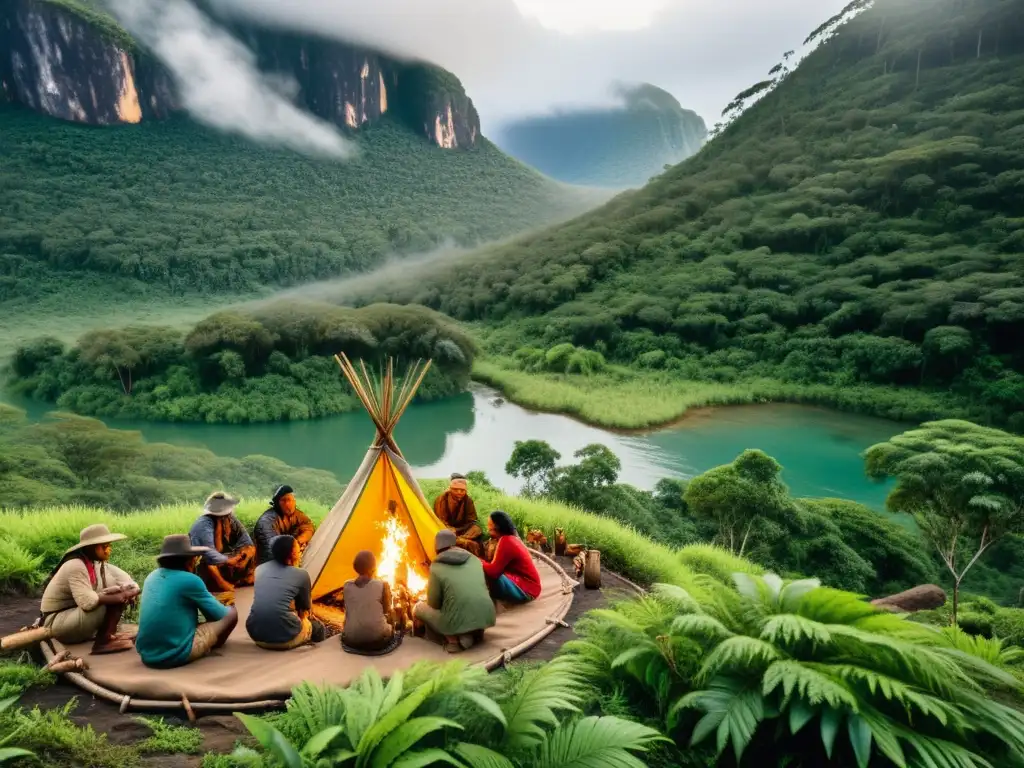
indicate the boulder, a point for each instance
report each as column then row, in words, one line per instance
column 923, row 598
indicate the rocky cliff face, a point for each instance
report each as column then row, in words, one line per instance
column 56, row 61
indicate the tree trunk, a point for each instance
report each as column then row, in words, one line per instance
column 878, row 40
column 980, row 33
column 917, row 77
column 956, row 598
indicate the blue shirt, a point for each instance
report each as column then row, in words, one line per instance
column 168, row 616
column 202, row 535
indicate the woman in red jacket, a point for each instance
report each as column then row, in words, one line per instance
column 511, row 575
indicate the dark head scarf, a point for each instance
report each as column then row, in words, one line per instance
column 281, row 548
column 280, row 493
column 365, row 563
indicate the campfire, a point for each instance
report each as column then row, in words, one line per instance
column 394, row 566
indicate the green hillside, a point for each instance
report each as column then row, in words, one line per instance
column 181, row 209
column 861, row 224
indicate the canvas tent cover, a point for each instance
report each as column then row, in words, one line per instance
column 356, row 521
column 242, row 673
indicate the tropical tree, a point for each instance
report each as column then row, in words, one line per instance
column 533, row 461
column 964, row 484
column 737, row 496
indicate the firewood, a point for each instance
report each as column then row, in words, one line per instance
column 25, row 638
column 572, row 550
column 68, row 665
column 579, row 562
column 62, row 656
column 559, row 542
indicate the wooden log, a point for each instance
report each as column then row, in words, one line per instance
column 592, row 570
column 25, row 638
column 62, row 656
column 923, row 598
column 68, row 665
column 188, row 708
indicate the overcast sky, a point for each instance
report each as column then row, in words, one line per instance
column 519, row 57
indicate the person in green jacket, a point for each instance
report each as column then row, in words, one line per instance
column 458, row 607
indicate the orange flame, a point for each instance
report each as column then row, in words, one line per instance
column 394, row 559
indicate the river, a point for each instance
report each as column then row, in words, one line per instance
column 819, row 449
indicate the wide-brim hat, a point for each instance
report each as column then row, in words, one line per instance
column 92, row 535
column 179, row 545
column 220, row 504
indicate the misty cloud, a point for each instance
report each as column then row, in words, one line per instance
column 702, row 52
column 219, row 81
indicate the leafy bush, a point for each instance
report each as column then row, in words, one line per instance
column 269, row 363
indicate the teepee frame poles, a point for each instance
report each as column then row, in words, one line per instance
column 378, row 395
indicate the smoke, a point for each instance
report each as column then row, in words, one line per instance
column 219, row 82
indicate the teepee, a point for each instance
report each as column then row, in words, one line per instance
column 382, row 509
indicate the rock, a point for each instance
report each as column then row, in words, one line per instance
column 922, row 598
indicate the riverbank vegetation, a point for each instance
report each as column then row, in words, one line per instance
column 266, row 362
column 857, row 226
column 184, row 209
column 68, row 459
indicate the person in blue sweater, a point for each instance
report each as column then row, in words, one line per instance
column 173, row 596
column 230, row 557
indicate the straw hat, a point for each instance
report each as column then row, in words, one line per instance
column 92, row 535
column 179, row 545
column 219, row 504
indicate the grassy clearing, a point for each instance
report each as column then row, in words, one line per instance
column 622, row 398
column 40, row 536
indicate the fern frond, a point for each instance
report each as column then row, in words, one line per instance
column 677, row 595
column 738, row 651
column 791, row 629
column 537, row 700
column 810, row 684
column 894, row 690
column 700, row 625
column 793, row 594
column 832, row 606
column 596, row 742
column 732, row 710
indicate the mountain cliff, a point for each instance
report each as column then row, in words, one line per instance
column 67, row 60
column 622, row 146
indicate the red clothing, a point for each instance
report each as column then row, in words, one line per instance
column 513, row 559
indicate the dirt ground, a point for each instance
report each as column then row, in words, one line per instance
column 222, row 731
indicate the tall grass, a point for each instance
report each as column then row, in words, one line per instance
column 622, row 398
column 43, row 534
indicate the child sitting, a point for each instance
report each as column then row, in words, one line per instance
column 369, row 623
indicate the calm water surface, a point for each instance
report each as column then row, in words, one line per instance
column 819, row 449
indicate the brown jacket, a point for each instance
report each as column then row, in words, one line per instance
column 274, row 523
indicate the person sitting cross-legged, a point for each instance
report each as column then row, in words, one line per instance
column 369, row 617
column 458, row 608
column 85, row 595
column 283, row 517
column 455, row 508
column 170, row 634
column 511, row 575
column 230, row 556
column 279, row 619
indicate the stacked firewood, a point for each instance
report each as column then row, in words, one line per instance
column 402, row 604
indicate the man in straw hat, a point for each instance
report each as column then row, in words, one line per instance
column 229, row 559
column 455, row 508
column 85, row 594
column 170, row 634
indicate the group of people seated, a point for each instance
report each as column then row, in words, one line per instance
column 197, row 573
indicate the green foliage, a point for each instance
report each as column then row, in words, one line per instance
column 17, row 676
column 803, row 673
column 963, row 483
column 170, row 739
column 67, row 459
column 859, row 225
column 10, row 753
column 398, row 723
column 563, row 358
column 214, row 214
column 272, row 362
column 55, row 740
